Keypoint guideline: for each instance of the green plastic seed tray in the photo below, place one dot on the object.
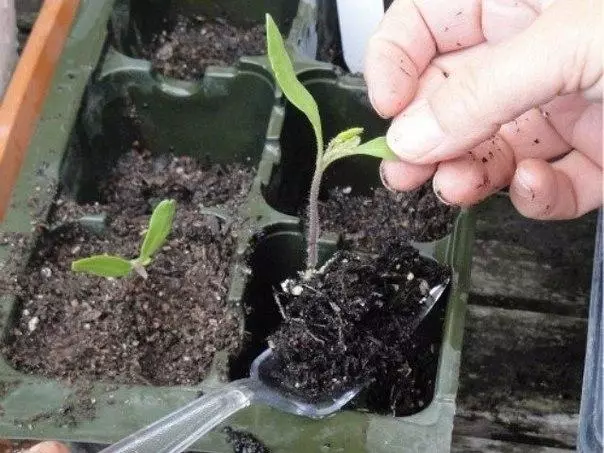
(232, 114)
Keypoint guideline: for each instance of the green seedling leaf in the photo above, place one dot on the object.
(103, 266)
(376, 148)
(160, 226)
(346, 136)
(284, 72)
(343, 144)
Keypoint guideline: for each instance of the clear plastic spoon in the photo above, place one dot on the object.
(180, 429)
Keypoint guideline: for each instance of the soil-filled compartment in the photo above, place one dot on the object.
(182, 38)
(167, 329)
(163, 330)
(378, 300)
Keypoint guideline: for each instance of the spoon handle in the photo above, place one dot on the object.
(181, 428)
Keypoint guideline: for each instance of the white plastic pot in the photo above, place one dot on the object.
(358, 20)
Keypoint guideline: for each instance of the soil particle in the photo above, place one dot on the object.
(244, 442)
(193, 44)
(367, 221)
(350, 325)
(162, 331)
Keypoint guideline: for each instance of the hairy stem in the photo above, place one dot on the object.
(312, 257)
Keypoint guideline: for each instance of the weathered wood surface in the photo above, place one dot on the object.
(467, 444)
(512, 276)
(521, 376)
(524, 345)
(554, 241)
(540, 266)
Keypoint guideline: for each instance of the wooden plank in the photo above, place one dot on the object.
(521, 376)
(532, 265)
(557, 242)
(468, 444)
(514, 276)
(557, 430)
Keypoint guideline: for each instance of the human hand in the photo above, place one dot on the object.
(48, 447)
(486, 93)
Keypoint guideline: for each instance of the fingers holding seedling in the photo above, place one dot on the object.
(160, 225)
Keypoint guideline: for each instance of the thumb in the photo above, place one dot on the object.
(558, 54)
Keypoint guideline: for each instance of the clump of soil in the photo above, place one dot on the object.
(350, 324)
(162, 331)
(196, 43)
(244, 442)
(367, 221)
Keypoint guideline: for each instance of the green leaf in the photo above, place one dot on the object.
(376, 148)
(347, 135)
(285, 75)
(344, 142)
(103, 266)
(160, 226)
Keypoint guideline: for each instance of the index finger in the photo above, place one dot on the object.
(409, 36)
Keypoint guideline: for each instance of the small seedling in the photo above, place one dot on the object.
(344, 144)
(159, 227)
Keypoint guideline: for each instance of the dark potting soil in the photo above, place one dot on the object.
(244, 442)
(367, 221)
(350, 324)
(185, 51)
(162, 331)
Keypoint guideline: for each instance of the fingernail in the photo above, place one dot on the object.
(415, 132)
(383, 178)
(522, 185)
(372, 101)
(439, 195)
